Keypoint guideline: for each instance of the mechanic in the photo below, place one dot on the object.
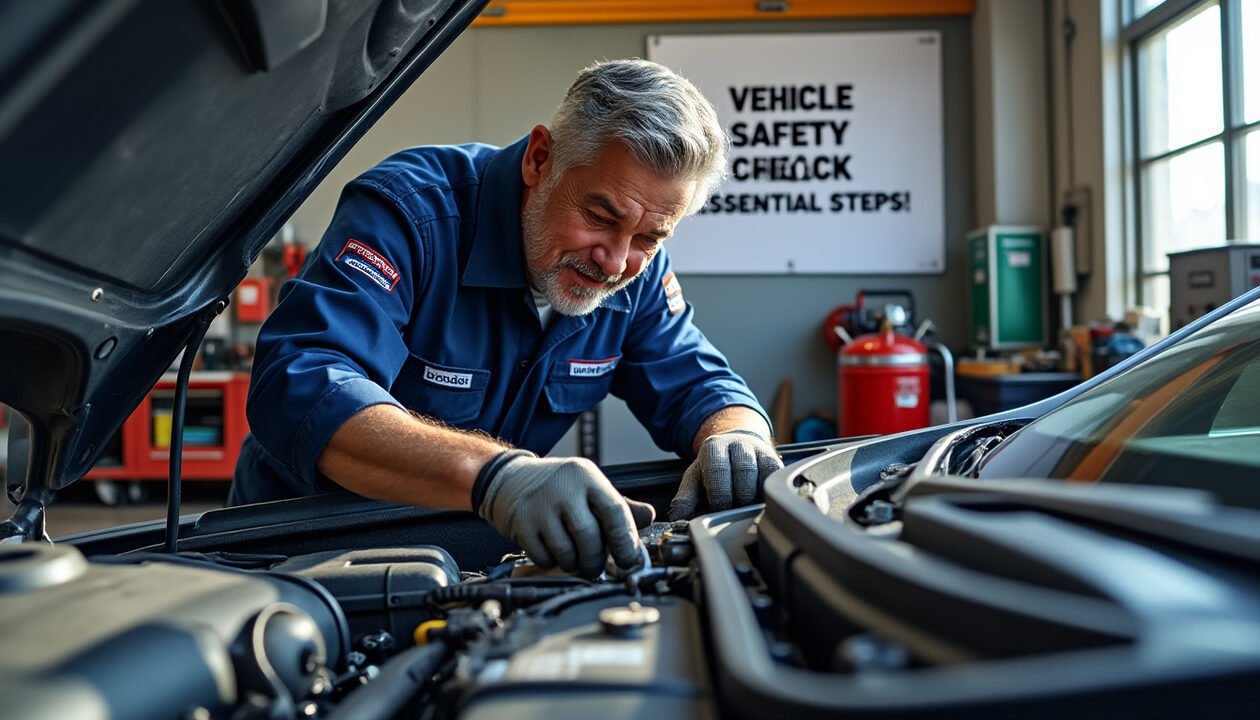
(468, 302)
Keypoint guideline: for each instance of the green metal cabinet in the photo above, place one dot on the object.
(1007, 268)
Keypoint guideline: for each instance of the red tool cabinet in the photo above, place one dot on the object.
(214, 427)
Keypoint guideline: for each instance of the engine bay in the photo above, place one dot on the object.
(913, 597)
(379, 633)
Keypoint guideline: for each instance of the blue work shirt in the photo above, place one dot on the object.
(417, 296)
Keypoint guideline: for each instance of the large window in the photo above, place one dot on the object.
(1197, 97)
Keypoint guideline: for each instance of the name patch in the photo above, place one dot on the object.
(369, 262)
(672, 287)
(446, 378)
(591, 368)
(673, 294)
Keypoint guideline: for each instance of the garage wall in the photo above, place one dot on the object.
(494, 84)
(1011, 116)
(1090, 148)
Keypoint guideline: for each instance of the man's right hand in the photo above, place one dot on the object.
(561, 511)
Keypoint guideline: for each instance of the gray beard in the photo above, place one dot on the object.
(572, 299)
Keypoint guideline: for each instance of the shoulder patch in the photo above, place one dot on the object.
(369, 262)
(672, 287)
(673, 294)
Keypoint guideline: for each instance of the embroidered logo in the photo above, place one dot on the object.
(369, 262)
(592, 368)
(446, 378)
(673, 294)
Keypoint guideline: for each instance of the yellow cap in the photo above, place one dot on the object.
(421, 634)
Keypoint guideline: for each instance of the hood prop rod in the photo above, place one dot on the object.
(174, 484)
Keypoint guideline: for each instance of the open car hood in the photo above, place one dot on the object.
(150, 150)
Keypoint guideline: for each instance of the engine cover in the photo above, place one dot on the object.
(155, 639)
(583, 662)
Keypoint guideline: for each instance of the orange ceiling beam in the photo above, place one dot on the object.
(591, 12)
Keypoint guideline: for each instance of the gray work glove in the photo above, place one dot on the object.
(730, 467)
(560, 511)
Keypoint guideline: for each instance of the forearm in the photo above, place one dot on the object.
(384, 453)
(731, 417)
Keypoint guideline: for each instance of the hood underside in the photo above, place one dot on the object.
(150, 150)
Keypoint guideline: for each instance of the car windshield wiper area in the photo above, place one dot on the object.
(963, 452)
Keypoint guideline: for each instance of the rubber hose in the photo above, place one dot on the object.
(401, 679)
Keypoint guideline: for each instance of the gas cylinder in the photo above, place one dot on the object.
(883, 381)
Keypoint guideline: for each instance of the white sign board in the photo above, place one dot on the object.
(836, 161)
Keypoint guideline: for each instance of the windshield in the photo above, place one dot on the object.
(1189, 417)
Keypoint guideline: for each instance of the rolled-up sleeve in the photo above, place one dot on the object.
(671, 376)
(334, 342)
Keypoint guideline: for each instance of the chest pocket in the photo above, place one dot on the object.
(444, 392)
(575, 386)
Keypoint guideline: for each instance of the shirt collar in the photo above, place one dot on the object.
(496, 257)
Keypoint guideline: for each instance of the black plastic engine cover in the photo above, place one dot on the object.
(379, 589)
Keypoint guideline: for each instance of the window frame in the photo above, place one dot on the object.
(1232, 137)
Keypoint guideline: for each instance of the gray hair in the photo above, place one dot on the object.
(661, 117)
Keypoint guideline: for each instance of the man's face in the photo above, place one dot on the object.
(591, 231)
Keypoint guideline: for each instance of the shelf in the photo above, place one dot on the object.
(214, 426)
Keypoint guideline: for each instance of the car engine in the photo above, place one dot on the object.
(381, 633)
(931, 599)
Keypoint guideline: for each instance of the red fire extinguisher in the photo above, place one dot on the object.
(883, 381)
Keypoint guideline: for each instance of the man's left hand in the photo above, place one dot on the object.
(729, 468)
